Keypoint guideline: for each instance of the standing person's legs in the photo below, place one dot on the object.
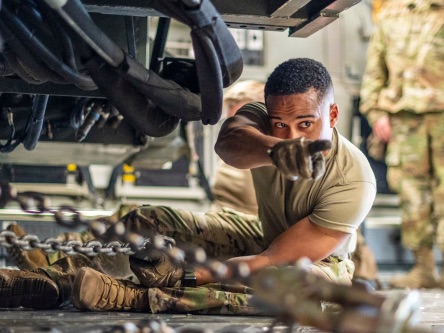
(409, 174)
(366, 269)
(435, 124)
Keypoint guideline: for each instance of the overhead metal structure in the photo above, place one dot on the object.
(301, 18)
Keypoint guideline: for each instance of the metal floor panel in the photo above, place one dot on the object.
(70, 320)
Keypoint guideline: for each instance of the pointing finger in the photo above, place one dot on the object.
(318, 146)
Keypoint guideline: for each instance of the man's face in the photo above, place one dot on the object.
(302, 115)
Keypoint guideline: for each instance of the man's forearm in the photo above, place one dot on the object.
(203, 276)
(303, 239)
(254, 263)
(243, 146)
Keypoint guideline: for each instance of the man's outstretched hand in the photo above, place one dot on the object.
(296, 158)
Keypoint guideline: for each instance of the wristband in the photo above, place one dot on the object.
(189, 279)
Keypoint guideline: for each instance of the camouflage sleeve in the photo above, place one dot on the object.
(375, 78)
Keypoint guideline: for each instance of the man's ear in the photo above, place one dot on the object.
(334, 114)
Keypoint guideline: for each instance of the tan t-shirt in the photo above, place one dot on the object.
(233, 188)
(339, 200)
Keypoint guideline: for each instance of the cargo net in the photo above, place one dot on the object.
(291, 294)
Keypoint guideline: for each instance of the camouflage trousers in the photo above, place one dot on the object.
(225, 233)
(415, 160)
(86, 235)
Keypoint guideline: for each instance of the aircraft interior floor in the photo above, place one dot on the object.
(428, 309)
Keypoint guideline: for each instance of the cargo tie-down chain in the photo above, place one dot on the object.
(292, 294)
(128, 243)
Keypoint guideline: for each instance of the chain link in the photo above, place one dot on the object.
(36, 203)
(52, 245)
(73, 247)
(129, 243)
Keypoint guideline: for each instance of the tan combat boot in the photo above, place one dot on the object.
(28, 290)
(95, 291)
(25, 259)
(422, 275)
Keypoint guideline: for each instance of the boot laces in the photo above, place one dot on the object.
(125, 290)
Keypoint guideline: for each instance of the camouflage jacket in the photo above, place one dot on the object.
(405, 60)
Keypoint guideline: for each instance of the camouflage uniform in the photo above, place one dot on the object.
(222, 234)
(404, 79)
(86, 235)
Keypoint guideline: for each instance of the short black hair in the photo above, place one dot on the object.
(298, 75)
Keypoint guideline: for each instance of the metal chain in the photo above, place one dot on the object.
(93, 248)
(37, 203)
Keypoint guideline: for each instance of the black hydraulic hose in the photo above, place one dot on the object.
(206, 16)
(218, 59)
(35, 46)
(130, 36)
(159, 43)
(59, 31)
(78, 18)
(73, 12)
(208, 71)
(204, 19)
(21, 71)
(28, 68)
(67, 47)
(136, 108)
(166, 93)
(35, 122)
(29, 13)
(172, 97)
(6, 68)
(17, 67)
(208, 67)
(208, 23)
